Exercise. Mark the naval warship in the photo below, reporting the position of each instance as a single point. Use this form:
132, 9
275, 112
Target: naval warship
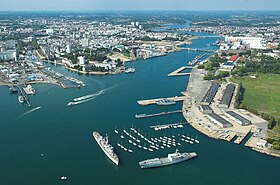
103, 142
172, 158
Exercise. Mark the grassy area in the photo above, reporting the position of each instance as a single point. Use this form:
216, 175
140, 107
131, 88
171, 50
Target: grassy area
275, 132
262, 93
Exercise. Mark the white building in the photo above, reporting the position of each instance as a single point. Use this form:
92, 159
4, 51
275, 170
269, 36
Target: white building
49, 31
8, 55
68, 48
82, 60
253, 42
84, 42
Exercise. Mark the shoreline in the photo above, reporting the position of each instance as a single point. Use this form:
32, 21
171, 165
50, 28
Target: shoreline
207, 130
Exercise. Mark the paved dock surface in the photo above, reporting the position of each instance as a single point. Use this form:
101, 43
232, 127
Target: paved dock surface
177, 72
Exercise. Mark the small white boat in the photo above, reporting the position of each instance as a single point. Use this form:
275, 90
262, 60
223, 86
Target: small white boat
63, 177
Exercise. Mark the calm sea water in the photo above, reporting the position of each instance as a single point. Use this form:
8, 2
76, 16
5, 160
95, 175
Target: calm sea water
64, 135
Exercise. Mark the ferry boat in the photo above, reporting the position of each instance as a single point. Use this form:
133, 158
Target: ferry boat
172, 158
165, 102
107, 148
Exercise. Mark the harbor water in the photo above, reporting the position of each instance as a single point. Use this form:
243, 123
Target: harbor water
39, 145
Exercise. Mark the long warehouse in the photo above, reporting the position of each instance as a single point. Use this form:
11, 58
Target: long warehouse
237, 118
210, 94
219, 120
227, 96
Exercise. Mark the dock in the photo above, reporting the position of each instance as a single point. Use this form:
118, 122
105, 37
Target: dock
241, 137
177, 72
139, 116
27, 91
153, 101
196, 59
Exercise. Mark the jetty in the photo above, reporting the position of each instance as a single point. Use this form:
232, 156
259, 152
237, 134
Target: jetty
139, 116
153, 101
177, 72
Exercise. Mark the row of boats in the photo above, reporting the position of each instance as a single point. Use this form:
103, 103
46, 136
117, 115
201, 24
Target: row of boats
154, 143
59, 75
172, 158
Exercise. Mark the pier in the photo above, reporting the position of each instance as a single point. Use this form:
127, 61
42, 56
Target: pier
153, 101
177, 72
139, 116
25, 96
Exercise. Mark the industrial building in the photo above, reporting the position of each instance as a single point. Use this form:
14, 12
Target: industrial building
205, 109
237, 118
219, 120
210, 94
252, 42
227, 96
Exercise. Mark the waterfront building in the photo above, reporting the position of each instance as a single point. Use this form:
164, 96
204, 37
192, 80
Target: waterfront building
237, 118
219, 120
252, 42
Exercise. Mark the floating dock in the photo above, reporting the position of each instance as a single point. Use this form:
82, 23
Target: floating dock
153, 101
169, 125
177, 72
138, 116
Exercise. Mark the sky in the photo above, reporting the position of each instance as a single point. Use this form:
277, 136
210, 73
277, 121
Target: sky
49, 5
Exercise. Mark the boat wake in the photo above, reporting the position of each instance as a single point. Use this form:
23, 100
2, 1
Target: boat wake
89, 96
29, 112
85, 98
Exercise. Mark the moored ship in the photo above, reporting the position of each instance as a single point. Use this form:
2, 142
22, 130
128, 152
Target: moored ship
165, 102
172, 158
107, 148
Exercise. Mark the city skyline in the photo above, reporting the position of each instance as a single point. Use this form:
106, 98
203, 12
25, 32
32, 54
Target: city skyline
52, 5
